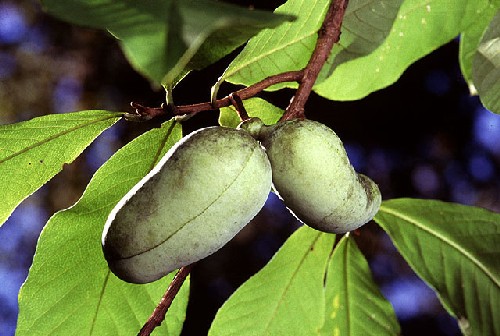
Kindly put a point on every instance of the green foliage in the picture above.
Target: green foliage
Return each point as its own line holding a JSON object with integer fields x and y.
{"x": 70, "y": 288}
{"x": 469, "y": 41}
{"x": 286, "y": 297}
{"x": 285, "y": 48}
{"x": 486, "y": 66}
{"x": 32, "y": 152}
{"x": 455, "y": 249}
{"x": 354, "y": 305}
{"x": 288, "y": 47}
{"x": 161, "y": 37}
{"x": 307, "y": 290}
{"x": 421, "y": 27}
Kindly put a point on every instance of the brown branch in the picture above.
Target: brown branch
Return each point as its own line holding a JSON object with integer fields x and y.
{"x": 328, "y": 35}
{"x": 245, "y": 93}
{"x": 158, "y": 314}
{"x": 144, "y": 113}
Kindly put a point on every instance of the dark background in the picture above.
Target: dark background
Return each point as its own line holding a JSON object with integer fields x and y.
{"x": 424, "y": 136}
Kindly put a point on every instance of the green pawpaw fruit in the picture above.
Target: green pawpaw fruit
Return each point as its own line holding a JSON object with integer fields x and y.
{"x": 200, "y": 194}
{"x": 313, "y": 176}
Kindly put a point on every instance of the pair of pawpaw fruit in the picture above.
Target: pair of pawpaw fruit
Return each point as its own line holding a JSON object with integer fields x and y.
{"x": 215, "y": 180}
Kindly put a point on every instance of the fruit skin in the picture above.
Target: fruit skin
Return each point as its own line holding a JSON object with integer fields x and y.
{"x": 313, "y": 176}
{"x": 200, "y": 194}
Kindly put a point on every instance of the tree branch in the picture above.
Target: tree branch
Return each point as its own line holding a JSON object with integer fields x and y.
{"x": 160, "y": 311}
{"x": 328, "y": 35}
{"x": 245, "y": 93}
{"x": 144, "y": 113}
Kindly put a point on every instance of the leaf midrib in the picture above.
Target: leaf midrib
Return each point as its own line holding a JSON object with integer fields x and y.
{"x": 55, "y": 136}
{"x": 289, "y": 283}
{"x": 347, "y": 287}
{"x": 445, "y": 240}
{"x": 262, "y": 56}
{"x": 99, "y": 302}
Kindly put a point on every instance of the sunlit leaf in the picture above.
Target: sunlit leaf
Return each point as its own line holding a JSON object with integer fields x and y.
{"x": 486, "y": 66}
{"x": 255, "y": 107}
{"x": 286, "y": 297}
{"x": 289, "y": 46}
{"x": 161, "y": 37}
{"x": 32, "y": 152}
{"x": 70, "y": 290}
{"x": 469, "y": 41}
{"x": 421, "y": 27}
{"x": 354, "y": 304}
{"x": 455, "y": 249}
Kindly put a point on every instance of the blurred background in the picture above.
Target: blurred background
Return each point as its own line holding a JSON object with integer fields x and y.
{"x": 423, "y": 137}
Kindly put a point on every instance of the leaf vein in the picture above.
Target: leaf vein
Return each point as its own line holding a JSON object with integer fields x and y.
{"x": 447, "y": 241}
{"x": 53, "y": 137}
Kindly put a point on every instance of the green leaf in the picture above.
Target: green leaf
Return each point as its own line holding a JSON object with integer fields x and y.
{"x": 161, "y": 37}
{"x": 69, "y": 289}
{"x": 454, "y": 248}
{"x": 354, "y": 304}
{"x": 486, "y": 66}
{"x": 286, "y": 297}
{"x": 289, "y": 46}
{"x": 255, "y": 107}
{"x": 469, "y": 41}
{"x": 230, "y": 26}
{"x": 421, "y": 27}
{"x": 285, "y": 48}
{"x": 32, "y": 152}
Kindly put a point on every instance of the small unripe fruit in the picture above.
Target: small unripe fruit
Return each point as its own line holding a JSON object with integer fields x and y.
{"x": 313, "y": 175}
{"x": 200, "y": 194}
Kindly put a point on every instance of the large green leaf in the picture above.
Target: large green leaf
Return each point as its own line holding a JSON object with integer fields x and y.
{"x": 456, "y": 250}
{"x": 289, "y": 46}
{"x": 255, "y": 107}
{"x": 32, "y": 152}
{"x": 421, "y": 27}
{"x": 486, "y": 66}
{"x": 286, "y": 297}
{"x": 469, "y": 41}
{"x": 161, "y": 37}
{"x": 285, "y": 48}
{"x": 354, "y": 304}
{"x": 70, "y": 290}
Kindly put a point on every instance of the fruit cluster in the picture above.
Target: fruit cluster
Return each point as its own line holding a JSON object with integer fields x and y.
{"x": 215, "y": 180}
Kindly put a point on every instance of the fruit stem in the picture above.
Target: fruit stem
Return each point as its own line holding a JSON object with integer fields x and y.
{"x": 160, "y": 311}
{"x": 238, "y": 105}
{"x": 328, "y": 35}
